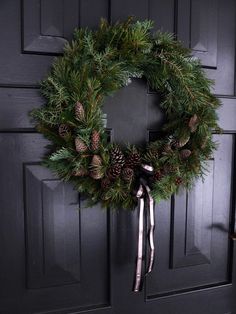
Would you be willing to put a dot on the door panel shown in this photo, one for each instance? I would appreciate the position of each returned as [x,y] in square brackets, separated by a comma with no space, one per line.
[194,251]
[208,28]
[53,229]
[49,258]
[58,259]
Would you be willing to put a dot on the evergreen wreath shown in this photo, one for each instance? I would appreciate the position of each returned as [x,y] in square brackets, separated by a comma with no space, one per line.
[95,65]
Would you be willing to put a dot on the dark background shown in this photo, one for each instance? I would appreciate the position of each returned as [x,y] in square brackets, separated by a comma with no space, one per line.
[55,259]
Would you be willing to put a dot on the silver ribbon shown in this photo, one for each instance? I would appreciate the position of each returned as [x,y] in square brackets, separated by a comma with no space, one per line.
[138,276]
[151,230]
[144,192]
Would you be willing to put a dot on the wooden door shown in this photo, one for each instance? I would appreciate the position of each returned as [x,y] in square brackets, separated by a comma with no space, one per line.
[56,259]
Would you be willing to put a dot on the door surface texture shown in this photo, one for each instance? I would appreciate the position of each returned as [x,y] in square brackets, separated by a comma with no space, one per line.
[57,259]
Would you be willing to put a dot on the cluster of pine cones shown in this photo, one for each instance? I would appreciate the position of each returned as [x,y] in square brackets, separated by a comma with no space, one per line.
[121,165]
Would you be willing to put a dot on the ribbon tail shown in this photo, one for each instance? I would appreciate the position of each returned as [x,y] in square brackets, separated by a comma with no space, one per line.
[151,230]
[138,274]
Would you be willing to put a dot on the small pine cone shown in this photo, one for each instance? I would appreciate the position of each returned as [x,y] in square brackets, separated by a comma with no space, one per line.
[158,175]
[182,141]
[185,153]
[169,169]
[96,161]
[114,171]
[178,181]
[167,148]
[95,140]
[133,160]
[104,197]
[96,174]
[80,173]
[127,174]
[96,171]
[79,111]
[105,183]
[193,123]
[117,157]
[80,145]
[64,131]
[154,153]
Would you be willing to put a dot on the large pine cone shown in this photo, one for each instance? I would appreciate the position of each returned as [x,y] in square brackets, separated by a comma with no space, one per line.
[185,153]
[95,140]
[133,160]
[79,111]
[96,174]
[193,123]
[96,161]
[114,171]
[105,183]
[178,143]
[178,181]
[127,174]
[80,172]
[117,157]
[158,175]
[96,169]
[64,131]
[80,145]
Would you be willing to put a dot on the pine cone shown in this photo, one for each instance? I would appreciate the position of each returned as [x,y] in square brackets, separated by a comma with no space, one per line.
[133,160]
[96,161]
[127,174]
[95,140]
[96,174]
[96,169]
[114,171]
[79,111]
[117,157]
[80,173]
[182,141]
[167,148]
[105,183]
[193,123]
[154,153]
[169,169]
[80,145]
[158,175]
[185,153]
[105,197]
[64,131]
[178,181]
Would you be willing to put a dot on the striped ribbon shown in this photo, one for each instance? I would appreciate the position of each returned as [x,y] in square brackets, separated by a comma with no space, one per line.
[145,208]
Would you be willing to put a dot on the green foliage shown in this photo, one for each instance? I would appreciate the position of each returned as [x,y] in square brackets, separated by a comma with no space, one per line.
[62,153]
[95,64]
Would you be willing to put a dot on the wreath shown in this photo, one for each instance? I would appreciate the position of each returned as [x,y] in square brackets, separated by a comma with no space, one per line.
[94,65]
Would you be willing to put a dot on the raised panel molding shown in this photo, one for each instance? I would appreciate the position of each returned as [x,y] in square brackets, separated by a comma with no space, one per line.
[53,229]
[192,231]
[48,24]
[191,217]
[197,27]
[52,246]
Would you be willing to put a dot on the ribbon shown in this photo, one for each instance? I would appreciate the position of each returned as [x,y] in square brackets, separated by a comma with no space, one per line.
[151,230]
[142,194]
[139,262]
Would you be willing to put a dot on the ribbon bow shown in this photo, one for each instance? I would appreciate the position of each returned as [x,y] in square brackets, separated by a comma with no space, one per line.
[144,194]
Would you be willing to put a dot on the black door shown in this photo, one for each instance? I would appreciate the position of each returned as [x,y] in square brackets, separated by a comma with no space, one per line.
[56,259]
